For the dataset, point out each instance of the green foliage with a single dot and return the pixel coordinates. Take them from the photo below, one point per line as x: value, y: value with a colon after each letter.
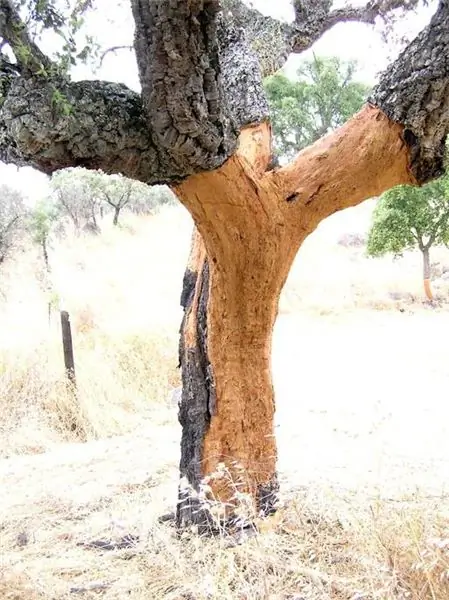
x: 65, y: 20
x: 41, y: 219
x: 408, y: 217
x: 323, y: 97
x: 60, y: 103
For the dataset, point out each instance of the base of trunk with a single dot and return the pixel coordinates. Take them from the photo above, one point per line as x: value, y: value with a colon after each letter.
x: 211, y: 517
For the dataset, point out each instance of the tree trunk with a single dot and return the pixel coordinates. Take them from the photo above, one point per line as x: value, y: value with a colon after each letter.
x: 251, y: 224
x: 426, y: 274
x: 116, y: 215
x: 230, y: 297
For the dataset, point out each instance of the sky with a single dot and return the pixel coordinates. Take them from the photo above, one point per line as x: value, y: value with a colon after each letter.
x: 115, y: 28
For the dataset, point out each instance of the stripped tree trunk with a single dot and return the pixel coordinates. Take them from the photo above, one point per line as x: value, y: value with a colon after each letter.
x: 247, y: 238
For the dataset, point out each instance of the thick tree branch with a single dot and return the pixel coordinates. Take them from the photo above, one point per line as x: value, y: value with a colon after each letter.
x: 29, y: 57
x: 51, y: 125
x: 414, y: 92
x: 274, y: 41
x: 200, y: 81
x: 177, y: 54
x: 398, y: 138
x: 358, y: 161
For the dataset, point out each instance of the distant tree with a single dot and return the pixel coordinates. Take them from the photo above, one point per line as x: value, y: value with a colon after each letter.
x: 74, y: 197
x: 120, y: 193
x: 41, y: 220
x: 12, y: 212
x: 82, y: 195
x: 409, y: 217
x: 157, y: 195
x: 323, y: 97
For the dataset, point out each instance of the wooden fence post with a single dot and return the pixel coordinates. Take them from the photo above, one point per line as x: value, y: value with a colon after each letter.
x: 67, y: 344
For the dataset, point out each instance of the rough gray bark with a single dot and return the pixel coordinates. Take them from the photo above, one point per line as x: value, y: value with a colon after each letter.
x: 53, y: 124
x: 196, y: 408
x: 203, y: 89
x: 273, y: 41
x: 201, y: 82
x: 201, y: 73
x: 177, y: 55
x: 414, y: 91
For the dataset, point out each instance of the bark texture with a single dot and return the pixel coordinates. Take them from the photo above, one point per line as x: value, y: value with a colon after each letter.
x: 177, y: 55
x: 414, y: 92
x: 201, y: 74
x: 53, y: 124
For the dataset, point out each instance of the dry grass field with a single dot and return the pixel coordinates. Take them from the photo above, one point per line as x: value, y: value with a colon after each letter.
x: 361, y: 372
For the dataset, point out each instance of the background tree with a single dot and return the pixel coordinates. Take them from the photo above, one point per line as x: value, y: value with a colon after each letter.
x: 76, y: 199
x: 322, y: 98
x: 408, y: 217
x: 12, y: 213
x: 83, y: 194
x: 200, y: 124
x: 156, y: 196
x: 41, y: 219
x: 120, y: 193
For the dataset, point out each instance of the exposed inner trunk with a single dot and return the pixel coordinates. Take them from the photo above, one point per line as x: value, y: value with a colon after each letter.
x: 231, y: 293
x: 250, y: 225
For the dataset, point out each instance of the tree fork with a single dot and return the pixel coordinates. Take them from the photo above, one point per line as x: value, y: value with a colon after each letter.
x: 251, y: 223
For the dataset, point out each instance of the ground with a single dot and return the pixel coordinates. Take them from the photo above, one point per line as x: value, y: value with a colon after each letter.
x: 360, y: 374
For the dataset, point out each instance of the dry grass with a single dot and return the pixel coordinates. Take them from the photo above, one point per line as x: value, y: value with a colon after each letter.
x: 350, y: 528
x: 367, y: 550
x: 125, y: 336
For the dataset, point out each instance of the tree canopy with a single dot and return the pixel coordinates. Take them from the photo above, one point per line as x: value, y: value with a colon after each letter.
x: 323, y: 96
x: 408, y: 217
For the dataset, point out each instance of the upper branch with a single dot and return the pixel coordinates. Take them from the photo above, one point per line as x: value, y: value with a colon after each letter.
x: 200, y: 81
x: 29, y: 57
x: 274, y: 41
x: 414, y: 92
x: 398, y: 138
x: 314, y: 17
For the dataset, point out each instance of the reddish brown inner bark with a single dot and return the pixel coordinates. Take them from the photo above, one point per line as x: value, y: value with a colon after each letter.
x: 252, y: 224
